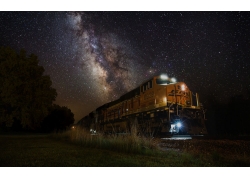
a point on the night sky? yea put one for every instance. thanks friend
(95, 57)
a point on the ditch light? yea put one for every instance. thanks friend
(178, 125)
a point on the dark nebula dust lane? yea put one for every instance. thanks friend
(95, 57)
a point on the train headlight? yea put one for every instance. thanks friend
(173, 80)
(178, 124)
(164, 77)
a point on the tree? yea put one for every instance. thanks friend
(59, 119)
(25, 93)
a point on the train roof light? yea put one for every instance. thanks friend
(163, 76)
(173, 80)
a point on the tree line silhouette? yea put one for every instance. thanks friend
(26, 95)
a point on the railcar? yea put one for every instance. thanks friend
(160, 105)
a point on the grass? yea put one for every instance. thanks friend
(71, 149)
(44, 151)
(129, 143)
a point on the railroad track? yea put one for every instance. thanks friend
(188, 137)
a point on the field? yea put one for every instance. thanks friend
(50, 151)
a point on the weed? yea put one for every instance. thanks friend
(129, 143)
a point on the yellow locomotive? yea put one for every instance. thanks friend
(159, 105)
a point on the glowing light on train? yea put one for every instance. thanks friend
(164, 77)
(178, 124)
(183, 88)
(173, 80)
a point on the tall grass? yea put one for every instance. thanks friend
(129, 143)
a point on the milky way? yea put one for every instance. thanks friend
(104, 58)
(95, 57)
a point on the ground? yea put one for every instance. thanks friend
(234, 150)
(46, 151)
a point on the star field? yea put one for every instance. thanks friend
(95, 57)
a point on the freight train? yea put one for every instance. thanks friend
(159, 106)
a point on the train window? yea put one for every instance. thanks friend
(146, 86)
(150, 84)
(143, 88)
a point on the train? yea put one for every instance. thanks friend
(158, 106)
